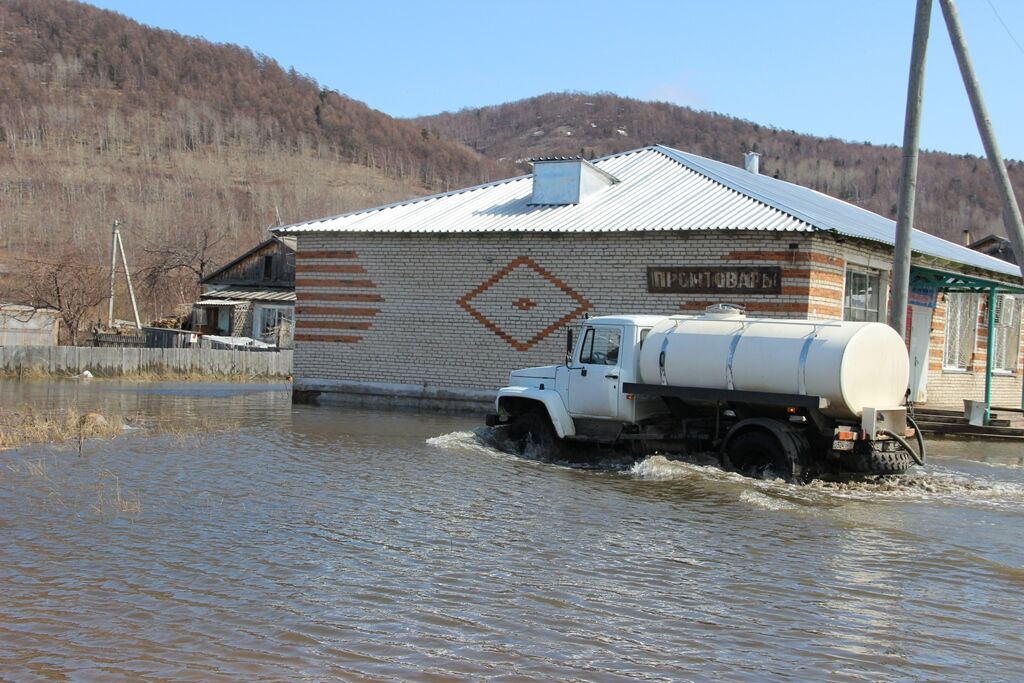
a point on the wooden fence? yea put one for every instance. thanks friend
(112, 362)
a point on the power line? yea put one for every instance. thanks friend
(1006, 28)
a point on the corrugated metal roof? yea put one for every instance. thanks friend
(252, 294)
(661, 189)
(216, 302)
(828, 213)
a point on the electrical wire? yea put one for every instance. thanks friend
(1005, 27)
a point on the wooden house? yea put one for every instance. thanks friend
(252, 296)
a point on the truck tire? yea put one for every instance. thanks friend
(876, 462)
(532, 434)
(756, 452)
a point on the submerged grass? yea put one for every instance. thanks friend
(28, 426)
(54, 478)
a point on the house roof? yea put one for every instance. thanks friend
(288, 242)
(661, 189)
(249, 294)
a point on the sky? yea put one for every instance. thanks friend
(825, 67)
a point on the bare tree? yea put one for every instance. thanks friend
(183, 258)
(68, 285)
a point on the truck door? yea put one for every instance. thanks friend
(594, 374)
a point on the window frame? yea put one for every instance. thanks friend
(969, 364)
(277, 309)
(589, 335)
(999, 354)
(871, 276)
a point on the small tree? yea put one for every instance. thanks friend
(70, 286)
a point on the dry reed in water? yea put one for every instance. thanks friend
(29, 425)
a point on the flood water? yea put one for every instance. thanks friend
(326, 543)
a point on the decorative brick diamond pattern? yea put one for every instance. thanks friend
(523, 303)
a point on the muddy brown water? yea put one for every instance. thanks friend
(325, 543)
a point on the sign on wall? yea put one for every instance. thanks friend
(714, 280)
(921, 295)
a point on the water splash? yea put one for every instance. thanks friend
(758, 499)
(481, 440)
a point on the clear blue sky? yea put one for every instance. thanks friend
(826, 67)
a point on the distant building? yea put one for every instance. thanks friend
(441, 296)
(997, 246)
(252, 296)
(28, 326)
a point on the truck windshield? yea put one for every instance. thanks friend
(601, 346)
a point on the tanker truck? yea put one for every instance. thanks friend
(796, 399)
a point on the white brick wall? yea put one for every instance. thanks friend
(463, 310)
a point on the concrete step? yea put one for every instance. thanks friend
(1006, 418)
(1001, 433)
(926, 424)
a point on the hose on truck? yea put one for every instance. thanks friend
(919, 454)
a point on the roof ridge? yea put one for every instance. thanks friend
(402, 202)
(441, 195)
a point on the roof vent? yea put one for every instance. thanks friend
(566, 180)
(752, 162)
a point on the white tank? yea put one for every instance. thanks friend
(852, 364)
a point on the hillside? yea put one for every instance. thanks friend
(195, 147)
(955, 193)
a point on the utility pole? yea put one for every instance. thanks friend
(113, 268)
(116, 244)
(1011, 210)
(128, 277)
(908, 175)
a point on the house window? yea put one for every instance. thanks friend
(273, 323)
(1006, 333)
(268, 267)
(861, 296)
(961, 330)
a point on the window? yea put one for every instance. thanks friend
(268, 267)
(861, 297)
(601, 346)
(1006, 334)
(961, 330)
(271, 323)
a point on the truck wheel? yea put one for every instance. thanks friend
(531, 434)
(756, 453)
(876, 462)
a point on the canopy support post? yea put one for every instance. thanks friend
(989, 348)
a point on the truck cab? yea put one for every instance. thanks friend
(601, 355)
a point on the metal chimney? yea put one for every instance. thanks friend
(751, 162)
(967, 238)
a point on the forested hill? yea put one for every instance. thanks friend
(196, 147)
(954, 192)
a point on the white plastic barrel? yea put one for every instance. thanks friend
(852, 364)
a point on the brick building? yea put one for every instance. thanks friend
(439, 297)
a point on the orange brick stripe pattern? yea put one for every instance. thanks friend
(333, 294)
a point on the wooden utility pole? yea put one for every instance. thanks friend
(1011, 210)
(113, 270)
(117, 245)
(908, 175)
(128, 277)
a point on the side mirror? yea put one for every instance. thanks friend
(568, 349)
